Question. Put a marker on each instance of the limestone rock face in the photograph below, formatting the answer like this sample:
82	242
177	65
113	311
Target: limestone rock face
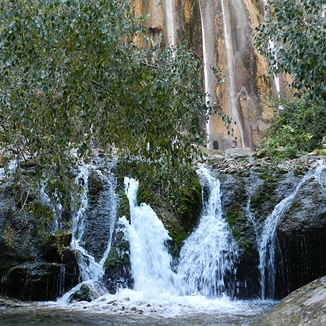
305	306
222	34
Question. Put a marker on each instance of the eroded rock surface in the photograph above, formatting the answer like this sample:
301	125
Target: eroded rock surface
305	306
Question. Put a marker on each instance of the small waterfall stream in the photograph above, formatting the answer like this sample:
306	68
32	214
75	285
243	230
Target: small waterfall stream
204	271
268	240
231	56
91	271
150	260
207	10
169	16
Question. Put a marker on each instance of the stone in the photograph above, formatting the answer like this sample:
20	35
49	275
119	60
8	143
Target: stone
305	306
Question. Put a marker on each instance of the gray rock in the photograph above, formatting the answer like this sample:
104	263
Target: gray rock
305	306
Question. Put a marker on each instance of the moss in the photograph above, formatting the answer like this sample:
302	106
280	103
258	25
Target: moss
237	221
118	256
178	236
248	250
124	206
264	199
190	204
144	195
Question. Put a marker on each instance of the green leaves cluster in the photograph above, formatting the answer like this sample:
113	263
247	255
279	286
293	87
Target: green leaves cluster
300	127
292	36
73	72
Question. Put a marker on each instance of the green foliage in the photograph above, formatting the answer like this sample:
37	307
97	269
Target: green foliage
72	72
124	207
300	127
297	32
176	188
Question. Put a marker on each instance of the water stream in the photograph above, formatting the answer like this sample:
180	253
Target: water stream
196	292
205	271
231	63
169	16
150	260
207	10
268	240
91	270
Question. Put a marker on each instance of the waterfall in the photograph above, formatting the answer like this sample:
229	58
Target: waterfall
209	56
268	239
208	256
169	16
254	183
91	271
150	260
230	64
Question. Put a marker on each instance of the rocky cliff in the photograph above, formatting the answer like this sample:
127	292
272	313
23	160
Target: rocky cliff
222	34
41	266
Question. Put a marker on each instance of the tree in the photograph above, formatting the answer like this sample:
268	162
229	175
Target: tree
72	72
299	127
297	31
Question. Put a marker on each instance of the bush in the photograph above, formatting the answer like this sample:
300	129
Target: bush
300	127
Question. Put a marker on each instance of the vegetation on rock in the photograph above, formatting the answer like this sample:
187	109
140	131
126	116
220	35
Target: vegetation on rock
73	74
292	37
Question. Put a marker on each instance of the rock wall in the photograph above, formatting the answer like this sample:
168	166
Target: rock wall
221	33
36	266
31	265
251	189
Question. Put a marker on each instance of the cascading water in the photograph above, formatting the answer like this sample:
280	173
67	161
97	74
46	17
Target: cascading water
194	293
169	16
91	271
150	260
268	239
207	9
254	183
204	271
190	289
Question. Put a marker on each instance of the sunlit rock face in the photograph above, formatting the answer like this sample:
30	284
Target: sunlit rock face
221	33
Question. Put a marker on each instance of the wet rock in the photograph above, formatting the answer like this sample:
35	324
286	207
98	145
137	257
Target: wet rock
117	265
102	203
37	281
305	306
301	230
85	293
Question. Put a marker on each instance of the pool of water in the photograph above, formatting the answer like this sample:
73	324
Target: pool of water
112	311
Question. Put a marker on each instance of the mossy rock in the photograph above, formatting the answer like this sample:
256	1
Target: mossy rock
124	206
83	294
118	256
175	230
95	187
265	197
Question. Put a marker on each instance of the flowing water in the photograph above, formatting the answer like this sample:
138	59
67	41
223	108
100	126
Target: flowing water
204	271
195	294
207	10
150	260
91	270
268	240
169	14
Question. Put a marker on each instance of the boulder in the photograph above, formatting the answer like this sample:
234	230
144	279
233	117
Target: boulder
37	281
305	306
